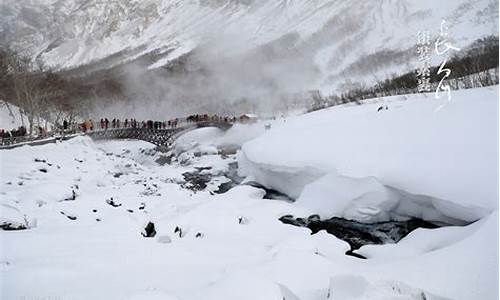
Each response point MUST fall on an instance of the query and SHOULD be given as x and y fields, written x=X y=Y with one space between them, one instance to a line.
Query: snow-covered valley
x=85 y=206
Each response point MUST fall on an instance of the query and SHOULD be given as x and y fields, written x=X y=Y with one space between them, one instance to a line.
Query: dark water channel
x=356 y=234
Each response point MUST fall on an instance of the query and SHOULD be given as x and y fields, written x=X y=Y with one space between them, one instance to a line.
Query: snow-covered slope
x=324 y=36
x=416 y=157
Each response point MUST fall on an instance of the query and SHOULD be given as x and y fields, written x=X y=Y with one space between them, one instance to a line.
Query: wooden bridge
x=159 y=137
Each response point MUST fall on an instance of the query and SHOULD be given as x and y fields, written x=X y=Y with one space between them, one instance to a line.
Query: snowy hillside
x=322 y=38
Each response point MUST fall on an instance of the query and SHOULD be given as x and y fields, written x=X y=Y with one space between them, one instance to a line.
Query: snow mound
x=286 y=179
x=360 y=199
x=202 y=138
x=421 y=241
x=369 y=201
x=351 y=287
x=439 y=158
x=194 y=138
x=248 y=287
x=322 y=243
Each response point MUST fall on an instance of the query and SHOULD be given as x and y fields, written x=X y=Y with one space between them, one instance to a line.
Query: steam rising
x=212 y=79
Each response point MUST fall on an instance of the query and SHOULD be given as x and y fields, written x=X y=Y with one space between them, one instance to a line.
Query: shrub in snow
x=178 y=230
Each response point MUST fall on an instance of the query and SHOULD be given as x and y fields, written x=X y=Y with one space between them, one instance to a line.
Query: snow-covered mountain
x=313 y=41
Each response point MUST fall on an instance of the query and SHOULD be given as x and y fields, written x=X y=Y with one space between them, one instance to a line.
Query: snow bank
x=421 y=241
x=445 y=152
x=367 y=200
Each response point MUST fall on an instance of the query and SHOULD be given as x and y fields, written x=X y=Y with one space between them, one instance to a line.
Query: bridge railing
x=7 y=142
x=16 y=141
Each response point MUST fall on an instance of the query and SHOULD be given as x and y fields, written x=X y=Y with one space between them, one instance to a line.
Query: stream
x=356 y=234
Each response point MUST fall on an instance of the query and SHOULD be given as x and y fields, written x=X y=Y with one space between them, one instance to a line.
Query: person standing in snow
x=86 y=125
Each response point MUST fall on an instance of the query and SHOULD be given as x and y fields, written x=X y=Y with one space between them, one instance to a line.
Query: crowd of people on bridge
x=133 y=123
x=116 y=123
x=213 y=118
x=105 y=124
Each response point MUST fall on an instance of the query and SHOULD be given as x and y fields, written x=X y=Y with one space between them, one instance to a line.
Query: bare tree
x=32 y=92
